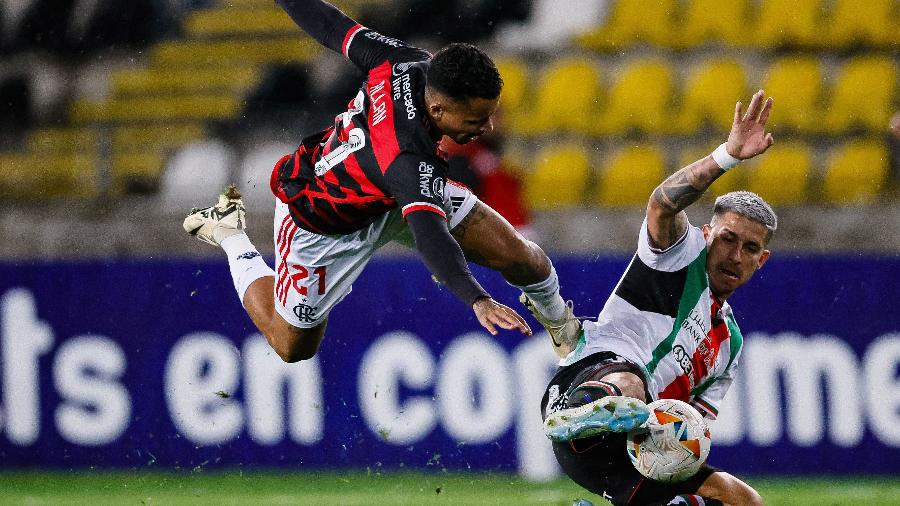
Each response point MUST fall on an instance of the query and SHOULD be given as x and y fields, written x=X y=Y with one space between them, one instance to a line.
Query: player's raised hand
x=491 y=314
x=748 y=136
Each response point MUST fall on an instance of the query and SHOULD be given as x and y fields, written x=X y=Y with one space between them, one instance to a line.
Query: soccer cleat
x=212 y=224
x=607 y=414
x=564 y=333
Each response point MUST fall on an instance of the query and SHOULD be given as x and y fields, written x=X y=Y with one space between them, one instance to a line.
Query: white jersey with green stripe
x=663 y=317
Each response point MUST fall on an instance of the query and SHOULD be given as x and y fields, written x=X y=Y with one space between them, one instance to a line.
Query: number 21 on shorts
x=302 y=274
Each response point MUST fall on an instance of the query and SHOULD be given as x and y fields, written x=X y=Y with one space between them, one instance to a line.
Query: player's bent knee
x=629 y=384
x=748 y=495
x=291 y=351
x=293 y=344
x=292 y=354
x=730 y=490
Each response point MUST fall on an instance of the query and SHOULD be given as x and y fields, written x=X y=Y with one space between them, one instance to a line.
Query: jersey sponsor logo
x=695 y=326
x=403 y=89
x=437 y=188
x=401 y=68
x=684 y=360
x=379 y=105
x=426 y=173
x=388 y=41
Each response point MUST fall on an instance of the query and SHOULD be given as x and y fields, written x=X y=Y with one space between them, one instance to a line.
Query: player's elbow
x=658 y=207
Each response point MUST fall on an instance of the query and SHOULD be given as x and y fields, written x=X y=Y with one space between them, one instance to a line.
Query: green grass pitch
x=383 y=489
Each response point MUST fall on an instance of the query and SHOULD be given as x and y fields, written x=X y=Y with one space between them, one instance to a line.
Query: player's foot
x=215 y=223
x=608 y=414
x=582 y=502
x=564 y=333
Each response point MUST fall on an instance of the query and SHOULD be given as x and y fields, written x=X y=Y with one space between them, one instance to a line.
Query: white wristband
x=723 y=159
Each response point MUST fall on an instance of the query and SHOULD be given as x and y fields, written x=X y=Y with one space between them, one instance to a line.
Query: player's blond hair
x=748 y=205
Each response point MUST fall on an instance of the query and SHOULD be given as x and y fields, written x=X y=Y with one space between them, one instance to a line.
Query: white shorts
x=313 y=272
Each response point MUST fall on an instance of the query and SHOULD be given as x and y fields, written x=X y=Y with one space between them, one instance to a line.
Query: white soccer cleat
x=212 y=224
x=564 y=333
x=614 y=413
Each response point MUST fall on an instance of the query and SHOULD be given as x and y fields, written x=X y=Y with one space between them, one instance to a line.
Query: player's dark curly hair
x=462 y=71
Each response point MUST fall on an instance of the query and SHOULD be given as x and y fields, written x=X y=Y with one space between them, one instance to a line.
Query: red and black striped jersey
x=378 y=155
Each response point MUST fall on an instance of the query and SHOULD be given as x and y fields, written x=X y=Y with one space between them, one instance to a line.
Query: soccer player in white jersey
x=666 y=331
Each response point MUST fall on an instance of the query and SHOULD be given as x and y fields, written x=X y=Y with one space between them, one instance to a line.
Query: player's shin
x=545 y=296
x=546 y=304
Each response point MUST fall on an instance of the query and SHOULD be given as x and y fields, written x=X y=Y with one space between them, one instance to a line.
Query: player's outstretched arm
x=321 y=20
x=666 y=220
x=444 y=258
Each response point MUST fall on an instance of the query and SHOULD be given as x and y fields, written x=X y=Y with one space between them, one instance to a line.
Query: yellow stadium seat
x=633 y=21
x=48 y=175
x=165 y=80
x=727 y=182
x=230 y=21
x=135 y=171
x=795 y=83
x=640 y=99
x=567 y=99
x=160 y=137
x=787 y=23
x=856 y=173
x=709 y=96
x=863 y=96
x=231 y=52
x=349 y=7
x=559 y=178
x=63 y=140
x=515 y=84
x=870 y=22
x=781 y=176
x=181 y=108
x=630 y=176
x=706 y=21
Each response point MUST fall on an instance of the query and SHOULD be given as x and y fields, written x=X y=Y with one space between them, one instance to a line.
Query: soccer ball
x=672 y=445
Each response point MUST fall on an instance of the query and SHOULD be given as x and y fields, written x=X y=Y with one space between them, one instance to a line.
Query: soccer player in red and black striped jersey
x=376 y=175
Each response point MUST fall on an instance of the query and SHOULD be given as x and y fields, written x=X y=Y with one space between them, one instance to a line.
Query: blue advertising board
x=154 y=364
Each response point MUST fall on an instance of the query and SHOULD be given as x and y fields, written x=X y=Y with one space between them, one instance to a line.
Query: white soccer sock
x=245 y=262
x=545 y=296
